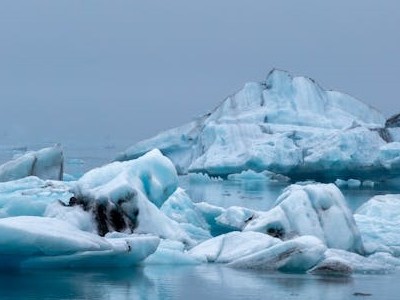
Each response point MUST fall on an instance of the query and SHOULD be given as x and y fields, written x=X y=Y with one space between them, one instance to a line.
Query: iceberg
x=180 y=208
x=392 y=127
x=254 y=250
x=126 y=213
x=223 y=220
x=210 y=213
x=40 y=242
x=265 y=176
x=126 y=196
x=235 y=217
x=153 y=174
x=286 y=125
x=171 y=253
x=340 y=262
x=379 y=224
x=310 y=229
x=30 y=196
x=317 y=210
x=297 y=255
x=231 y=246
x=47 y=163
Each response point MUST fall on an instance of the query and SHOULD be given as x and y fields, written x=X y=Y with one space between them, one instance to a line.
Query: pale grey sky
x=87 y=70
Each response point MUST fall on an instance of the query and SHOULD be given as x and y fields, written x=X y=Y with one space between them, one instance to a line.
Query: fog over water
x=99 y=71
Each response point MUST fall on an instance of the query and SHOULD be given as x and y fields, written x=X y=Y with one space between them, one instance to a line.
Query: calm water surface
x=261 y=195
x=193 y=282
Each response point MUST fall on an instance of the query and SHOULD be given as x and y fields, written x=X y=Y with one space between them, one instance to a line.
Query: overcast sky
x=95 y=70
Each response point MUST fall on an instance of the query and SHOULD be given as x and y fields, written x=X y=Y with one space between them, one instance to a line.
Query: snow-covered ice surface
x=287 y=125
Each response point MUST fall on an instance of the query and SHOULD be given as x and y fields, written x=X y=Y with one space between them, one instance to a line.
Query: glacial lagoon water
x=201 y=281
x=192 y=282
x=261 y=195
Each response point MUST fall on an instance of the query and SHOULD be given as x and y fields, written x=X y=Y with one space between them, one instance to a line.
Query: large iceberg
x=287 y=125
x=47 y=163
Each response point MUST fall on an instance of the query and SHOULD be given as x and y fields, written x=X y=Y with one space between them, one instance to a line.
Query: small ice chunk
x=297 y=255
x=231 y=246
x=379 y=224
x=340 y=262
x=223 y=220
x=171 y=253
x=180 y=208
x=368 y=184
x=332 y=266
x=30 y=196
x=235 y=217
x=354 y=183
x=351 y=183
x=47 y=163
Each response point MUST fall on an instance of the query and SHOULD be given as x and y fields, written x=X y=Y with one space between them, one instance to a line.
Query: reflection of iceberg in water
x=218 y=282
x=77 y=285
x=189 y=282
